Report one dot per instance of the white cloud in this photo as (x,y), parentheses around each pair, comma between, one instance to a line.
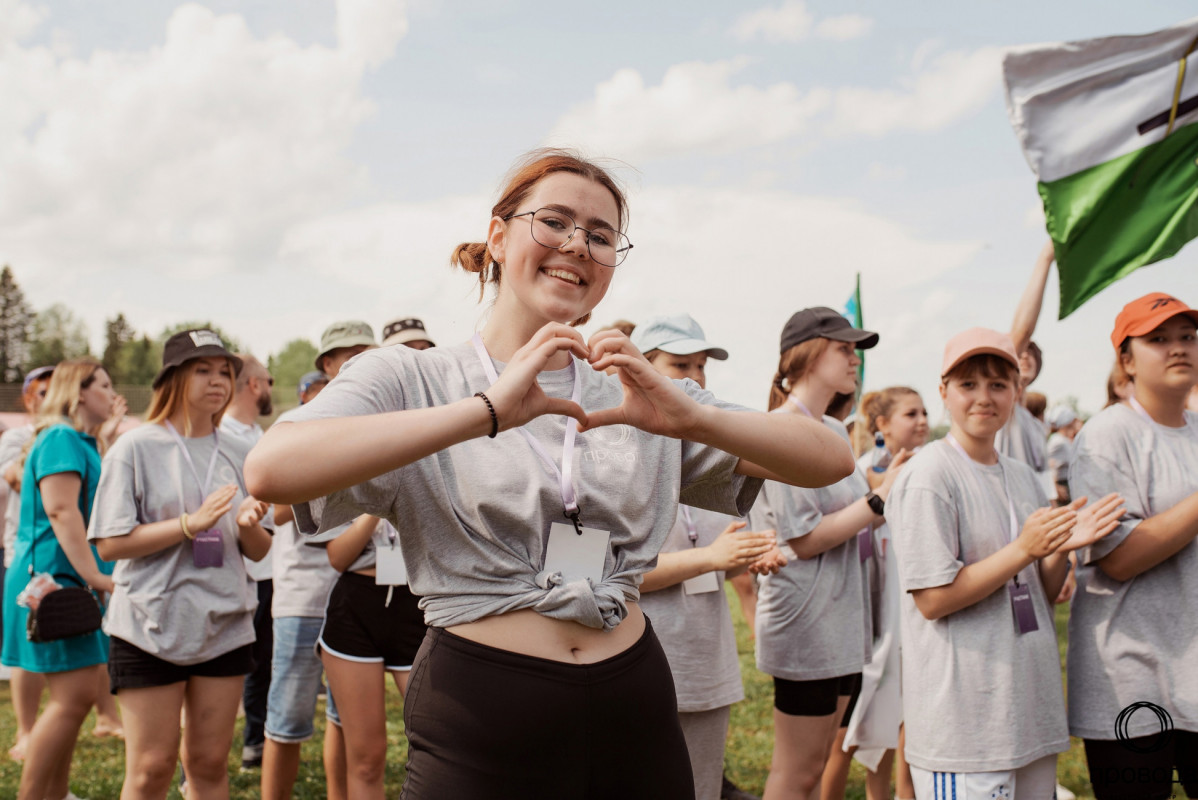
(17,21)
(371,29)
(877,171)
(942,90)
(695,108)
(844,28)
(191,157)
(793,22)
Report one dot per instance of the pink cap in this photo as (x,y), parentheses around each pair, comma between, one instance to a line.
(977,341)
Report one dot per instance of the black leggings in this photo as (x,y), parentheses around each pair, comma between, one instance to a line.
(488,723)
(1118,773)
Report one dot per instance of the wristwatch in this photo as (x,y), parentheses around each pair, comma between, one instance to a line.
(876,504)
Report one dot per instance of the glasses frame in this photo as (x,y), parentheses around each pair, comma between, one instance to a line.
(577,228)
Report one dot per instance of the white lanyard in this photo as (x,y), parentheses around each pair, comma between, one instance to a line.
(1006,487)
(691,533)
(797,403)
(191,464)
(565,473)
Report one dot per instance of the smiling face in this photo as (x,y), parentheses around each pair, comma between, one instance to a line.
(209,384)
(907,425)
(836,367)
(693,366)
(95,401)
(1164,360)
(542,284)
(978,404)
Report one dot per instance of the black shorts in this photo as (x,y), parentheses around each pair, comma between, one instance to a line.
(372,624)
(817,698)
(1144,768)
(488,723)
(130,667)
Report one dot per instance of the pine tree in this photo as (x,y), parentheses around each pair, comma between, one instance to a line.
(16,322)
(57,335)
(118,334)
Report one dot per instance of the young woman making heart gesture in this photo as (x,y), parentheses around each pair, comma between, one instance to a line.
(536,490)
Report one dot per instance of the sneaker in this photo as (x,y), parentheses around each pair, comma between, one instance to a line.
(251,758)
(730,791)
(1065,794)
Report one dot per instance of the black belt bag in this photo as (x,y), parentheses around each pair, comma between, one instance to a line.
(64,613)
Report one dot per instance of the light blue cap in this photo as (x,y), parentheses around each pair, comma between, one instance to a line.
(678,334)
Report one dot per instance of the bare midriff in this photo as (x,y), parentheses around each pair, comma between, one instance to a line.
(532,634)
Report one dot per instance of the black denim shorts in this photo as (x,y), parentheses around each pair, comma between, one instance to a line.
(130,667)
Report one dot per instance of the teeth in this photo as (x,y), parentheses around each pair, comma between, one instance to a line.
(564,275)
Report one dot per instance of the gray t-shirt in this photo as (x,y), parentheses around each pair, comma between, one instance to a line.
(476,516)
(385,536)
(1023,438)
(163,603)
(12,447)
(1134,640)
(812,615)
(978,696)
(1060,455)
(696,629)
(303,576)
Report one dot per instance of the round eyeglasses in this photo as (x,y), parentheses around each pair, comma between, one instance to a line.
(551,228)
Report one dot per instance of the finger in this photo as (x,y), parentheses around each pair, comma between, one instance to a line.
(560,406)
(1076,504)
(607,416)
(606,342)
(735,526)
(560,343)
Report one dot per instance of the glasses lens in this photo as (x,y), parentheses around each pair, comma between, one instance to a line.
(608,247)
(551,228)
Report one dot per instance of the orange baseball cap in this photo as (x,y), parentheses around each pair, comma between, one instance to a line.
(977,341)
(1144,313)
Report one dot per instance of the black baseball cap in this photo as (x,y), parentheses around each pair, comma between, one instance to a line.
(821,322)
(186,346)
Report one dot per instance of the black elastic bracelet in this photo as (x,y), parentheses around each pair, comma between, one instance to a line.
(494,419)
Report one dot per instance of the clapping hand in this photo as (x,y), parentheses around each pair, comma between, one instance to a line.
(251,512)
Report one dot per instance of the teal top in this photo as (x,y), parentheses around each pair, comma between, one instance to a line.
(57,450)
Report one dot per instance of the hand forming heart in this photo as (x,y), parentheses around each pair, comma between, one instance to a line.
(651,402)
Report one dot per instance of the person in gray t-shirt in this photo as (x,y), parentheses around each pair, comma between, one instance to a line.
(684,594)
(979,556)
(537,490)
(813,617)
(172,510)
(1131,634)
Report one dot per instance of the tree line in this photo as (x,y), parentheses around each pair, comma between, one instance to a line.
(30,339)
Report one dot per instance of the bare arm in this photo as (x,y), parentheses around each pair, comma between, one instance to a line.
(283,514)
(1155,539)
(1027,313)
(1044,532)
(834,529)
(345,549)
(60,498)
(12,476)
(152,537)
(735,548)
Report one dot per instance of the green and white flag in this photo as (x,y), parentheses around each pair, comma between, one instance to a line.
(1108,127)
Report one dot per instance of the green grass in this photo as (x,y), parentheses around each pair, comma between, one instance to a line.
(99,763)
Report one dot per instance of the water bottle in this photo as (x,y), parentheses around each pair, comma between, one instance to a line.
(879,459)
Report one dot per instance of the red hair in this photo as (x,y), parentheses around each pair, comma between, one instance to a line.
(528,171)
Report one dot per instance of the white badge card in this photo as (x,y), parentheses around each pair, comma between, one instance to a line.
(576,555)
(702,584)
(389,568)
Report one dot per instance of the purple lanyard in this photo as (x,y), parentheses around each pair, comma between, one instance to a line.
(691,533)
(191,464)
(797,403)
(1013,519)
(565,473)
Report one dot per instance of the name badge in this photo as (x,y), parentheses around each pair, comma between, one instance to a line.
(208,549)
(1025,610)
(575,555)
(865,544)
(389,569)
(702,584)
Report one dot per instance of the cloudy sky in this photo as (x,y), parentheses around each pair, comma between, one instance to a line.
(275,165)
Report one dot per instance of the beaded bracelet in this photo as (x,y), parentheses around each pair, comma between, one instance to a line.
(494,418)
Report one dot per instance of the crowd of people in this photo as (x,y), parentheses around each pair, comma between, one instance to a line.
(531,532)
